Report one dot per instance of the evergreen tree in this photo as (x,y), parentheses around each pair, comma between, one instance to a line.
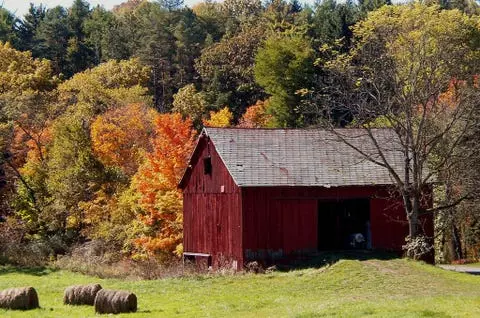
(213,18)
(8,22)
(157,49)
(79,55)
(77,14)
(52,38)
(28,27)
(123,35)
(97,26)
(189,38)
(333,20)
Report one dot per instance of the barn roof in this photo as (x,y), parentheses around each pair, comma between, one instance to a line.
(305,157)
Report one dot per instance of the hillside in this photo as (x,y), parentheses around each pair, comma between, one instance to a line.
(348,288)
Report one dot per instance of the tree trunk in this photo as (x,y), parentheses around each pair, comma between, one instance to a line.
(414,249)
(456,243)
(411,210)
(413,226)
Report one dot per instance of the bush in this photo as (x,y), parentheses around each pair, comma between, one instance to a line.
(94,258)
(418,247)
(18,248)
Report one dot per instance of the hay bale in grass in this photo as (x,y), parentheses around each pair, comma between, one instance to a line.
(23,298)
(81,294)
(115,302)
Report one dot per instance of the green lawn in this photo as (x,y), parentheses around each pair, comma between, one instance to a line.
(349,288)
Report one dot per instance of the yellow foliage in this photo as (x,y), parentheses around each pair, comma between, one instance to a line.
(426,44)
(111,216)
(221,118)
(20,72)
(111,84)
(189,103)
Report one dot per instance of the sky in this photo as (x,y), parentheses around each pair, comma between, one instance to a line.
(20,7)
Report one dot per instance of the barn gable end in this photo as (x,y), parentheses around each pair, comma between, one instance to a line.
(212,209)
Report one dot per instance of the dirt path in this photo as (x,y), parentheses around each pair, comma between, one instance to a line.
(462,269)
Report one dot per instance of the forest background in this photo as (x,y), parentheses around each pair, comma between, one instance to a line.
(100,109)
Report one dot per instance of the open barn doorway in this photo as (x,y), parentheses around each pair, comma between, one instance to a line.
(340,222)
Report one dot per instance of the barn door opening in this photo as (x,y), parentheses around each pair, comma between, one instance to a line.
(340,222)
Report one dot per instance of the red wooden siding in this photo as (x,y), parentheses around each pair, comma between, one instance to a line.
(212,218)
(274,226)
(284,219)
(388,223)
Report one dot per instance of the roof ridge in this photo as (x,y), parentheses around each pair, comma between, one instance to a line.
(297,129)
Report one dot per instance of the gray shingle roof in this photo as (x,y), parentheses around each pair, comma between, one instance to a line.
(305,157)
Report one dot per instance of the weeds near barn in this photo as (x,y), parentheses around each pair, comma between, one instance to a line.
(378,288)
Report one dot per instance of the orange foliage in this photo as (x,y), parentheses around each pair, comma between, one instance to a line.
(221,118)
(120,135)
(450,98)
(29,144)
(255,116)
(37,146)
(157,179)
(447,101)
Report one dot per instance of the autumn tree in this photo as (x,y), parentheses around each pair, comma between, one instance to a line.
(403,60)
(220,118)
(111,84)
(457,225)
(121,136)
(189,102)
(73,174)
(156,183)
(255,116)
(26,110)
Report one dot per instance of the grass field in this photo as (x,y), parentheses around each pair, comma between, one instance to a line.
(349,288)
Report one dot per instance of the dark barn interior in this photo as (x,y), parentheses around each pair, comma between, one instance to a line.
(339,220)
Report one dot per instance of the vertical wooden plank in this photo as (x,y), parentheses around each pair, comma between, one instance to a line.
(212,217)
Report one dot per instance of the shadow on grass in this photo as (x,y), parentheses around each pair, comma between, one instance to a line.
(34,271)
(321,259)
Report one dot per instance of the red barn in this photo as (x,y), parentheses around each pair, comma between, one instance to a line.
(265,194)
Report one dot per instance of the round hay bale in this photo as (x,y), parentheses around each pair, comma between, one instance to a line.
(81,294)
(23,298)
(115,302)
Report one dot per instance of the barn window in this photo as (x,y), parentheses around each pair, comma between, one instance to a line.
(207,165)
